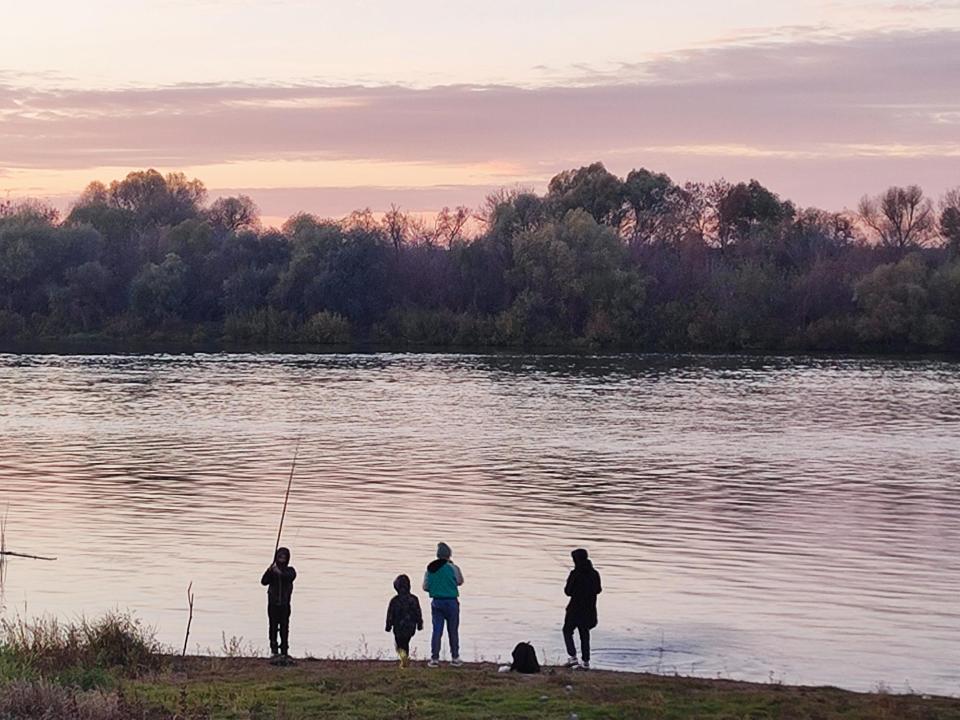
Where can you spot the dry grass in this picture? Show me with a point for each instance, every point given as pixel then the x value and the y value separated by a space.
pixel 45 647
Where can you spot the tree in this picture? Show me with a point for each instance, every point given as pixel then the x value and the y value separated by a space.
pixel 652 203
pixel 396 225
pixel 156 200
pixel 158 292
pixel 901 217
pixel 29 210
pixel 950 221
pixel 572 281
pixel 361 220
pixel 508 212
pixel 592 189
pixel 83 301
pixel 745 210
pixel 230 214
pixel 449 225
pixel 894 303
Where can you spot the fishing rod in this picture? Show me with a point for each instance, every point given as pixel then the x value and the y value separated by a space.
pixel 286 498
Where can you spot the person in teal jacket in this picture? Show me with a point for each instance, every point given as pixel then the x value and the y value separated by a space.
pixel 442 581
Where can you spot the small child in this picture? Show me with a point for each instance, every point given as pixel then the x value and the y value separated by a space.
pixel 403 617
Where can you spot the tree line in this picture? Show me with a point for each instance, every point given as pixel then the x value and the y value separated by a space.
pixel 596 262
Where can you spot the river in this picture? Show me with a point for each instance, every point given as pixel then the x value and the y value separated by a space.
pixel 759 518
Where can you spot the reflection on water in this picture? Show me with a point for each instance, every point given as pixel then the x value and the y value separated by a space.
pixel 750 516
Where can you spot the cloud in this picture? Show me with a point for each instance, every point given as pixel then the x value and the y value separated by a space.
pixel 924 6
pixel 829 107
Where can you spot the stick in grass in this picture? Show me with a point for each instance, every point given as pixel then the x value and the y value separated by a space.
pixel 3 543
pixel 10 553
pixel 189 618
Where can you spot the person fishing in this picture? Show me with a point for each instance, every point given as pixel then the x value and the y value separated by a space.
pixel 442 581
pixel 583 586
pixel 279 579
pixel 404 617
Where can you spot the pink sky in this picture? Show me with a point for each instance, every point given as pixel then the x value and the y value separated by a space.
pixel 861 97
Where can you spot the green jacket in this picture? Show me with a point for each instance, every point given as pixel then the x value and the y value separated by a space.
pixel 442 579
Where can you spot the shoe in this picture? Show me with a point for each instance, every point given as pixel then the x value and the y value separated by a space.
pixel 404 658
pixel 456 662
pixel 274 656
pixel 585 665
pixel 571 662
pixel 433 662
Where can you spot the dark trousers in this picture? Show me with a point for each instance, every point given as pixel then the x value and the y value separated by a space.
pixel 402 639
pixel 279 616
pixel 569 625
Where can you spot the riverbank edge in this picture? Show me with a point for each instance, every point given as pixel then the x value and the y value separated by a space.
pixel 76 346
pixel 219 687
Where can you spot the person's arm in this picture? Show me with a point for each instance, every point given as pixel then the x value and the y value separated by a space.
pixel 390 614
pixel 426 581
pixel 599 587
pixel 568 588
pixel 289 574
pixel 265 580
pixel 457 575
pixel 416 601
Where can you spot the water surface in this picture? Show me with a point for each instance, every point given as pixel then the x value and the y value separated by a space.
pixel 754 518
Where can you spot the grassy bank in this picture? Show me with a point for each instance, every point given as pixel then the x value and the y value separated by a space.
pixel 241 688
pixel 112 669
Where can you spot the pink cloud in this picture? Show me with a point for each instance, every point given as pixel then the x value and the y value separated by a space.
pixel 796 114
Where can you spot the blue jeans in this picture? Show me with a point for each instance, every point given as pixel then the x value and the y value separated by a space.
pixel 445 610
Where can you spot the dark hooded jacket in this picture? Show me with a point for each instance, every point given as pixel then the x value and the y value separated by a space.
pixel 403 613
pixel 583 586
pixel 279 585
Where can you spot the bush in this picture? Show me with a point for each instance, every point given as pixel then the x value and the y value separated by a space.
pixel 266 325
pixel 327 328
pixel 79 653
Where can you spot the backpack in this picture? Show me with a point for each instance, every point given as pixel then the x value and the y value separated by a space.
pixel 525 659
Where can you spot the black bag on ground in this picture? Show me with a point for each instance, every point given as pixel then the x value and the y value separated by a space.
pixel 525 659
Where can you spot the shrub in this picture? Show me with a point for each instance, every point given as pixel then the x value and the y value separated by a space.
pixel 327 328
pixel 81 652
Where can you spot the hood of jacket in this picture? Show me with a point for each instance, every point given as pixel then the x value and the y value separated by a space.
pixel 581 560
pixel 437 564
pixel 402 585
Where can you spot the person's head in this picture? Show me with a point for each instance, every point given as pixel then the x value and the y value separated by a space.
pixel 443 551
pixel 402 584
pixel 282 557
pixel 580 558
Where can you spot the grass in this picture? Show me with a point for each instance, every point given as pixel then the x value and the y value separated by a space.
pixel 113 669
pixel 368 690
pixel 86 653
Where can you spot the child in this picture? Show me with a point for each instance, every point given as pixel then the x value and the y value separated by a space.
pixel 583 586
pixel 403 617
pixel 279 579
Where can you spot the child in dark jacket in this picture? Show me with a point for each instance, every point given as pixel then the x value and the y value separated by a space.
pixel 278 579
pixel 583 586
pixel 403 617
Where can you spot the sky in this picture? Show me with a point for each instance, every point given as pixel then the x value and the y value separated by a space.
pixel 332 106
